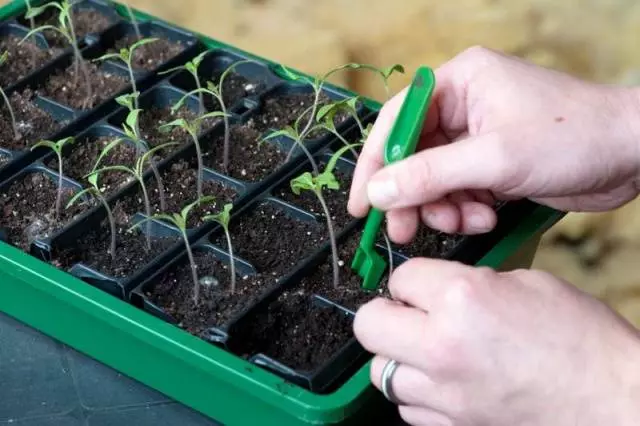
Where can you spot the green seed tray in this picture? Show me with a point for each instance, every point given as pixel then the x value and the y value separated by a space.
pixel 198 374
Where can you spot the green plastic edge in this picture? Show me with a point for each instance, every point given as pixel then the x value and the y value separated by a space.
pixel 170 360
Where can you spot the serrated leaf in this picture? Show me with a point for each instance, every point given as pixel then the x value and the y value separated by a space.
pixel 327 179
pixel 304 182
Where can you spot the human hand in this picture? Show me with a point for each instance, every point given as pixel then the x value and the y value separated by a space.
pixel 501 128
pixel 478 347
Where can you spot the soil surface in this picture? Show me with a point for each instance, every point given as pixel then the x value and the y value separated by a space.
pixel 280 110
pixel 93 250
pixel 429 243
pixel 174 293
pixel 336 200
pixel 179 182
pixel 22 59
pixel 349 293
pixel 248 159
pixel 85 21
pixel 70 89
pixel 28 209
pixel 296 332
pixel 272 241
pixel 151 55
pixel 235 87
pixel 32 122
pixel 83 154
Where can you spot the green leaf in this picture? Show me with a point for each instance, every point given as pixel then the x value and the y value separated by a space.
pixel 352 102
pixel 4 57
pixel 139 43
pixel 128 100
pixel 93 180
pixel 328 180
pixel 105 151
pixel 45 28
pixel 34 12
pixel 147 219
pixel 223 217
pixel 304 182
pixel 143 159
pixel 132 119
pixel 386 72
pixel 47 144
pixel 107 57
pixel 213 114
pixel 112 169
pixel 180 102
pixel 288 74
pixel 336 156
pixel 76 197
pixel 204 200
pixel 212 87
pixel 179 122
pixel 198 59
pixel 288 131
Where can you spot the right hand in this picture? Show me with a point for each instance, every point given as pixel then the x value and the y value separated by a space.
pixel 501 128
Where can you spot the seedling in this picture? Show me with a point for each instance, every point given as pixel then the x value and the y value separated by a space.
pixel 65 28
pixel 216 90
pixel 193 127
pixel 294 133
pixel 192 66
pixel 180 221
pixel 32 26
pixel 14 123
pixel 318 83
pixel 315 184
pixel 326 119
pixel 137 172
pixel 131 128
pixel 126 56
pixel 223 219
pixel 57 148
pixel 95 192
pixel 134 21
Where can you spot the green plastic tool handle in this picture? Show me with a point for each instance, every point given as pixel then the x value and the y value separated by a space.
pixel 405 134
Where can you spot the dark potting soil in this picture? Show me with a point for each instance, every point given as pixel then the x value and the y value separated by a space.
pixel 85 21
pixel 70 89
pixel 93 250
pixel 279 111
pixel 248 159
pixel 152 118
pixel 234 88
pixel 33 123
pixel 28 209
pixel 296 332
pixel 83 154
pixel 272 241
pixel 349 293
pixel 179 182
pixel 336 200
pixel 174 293
pixel 151 55
pixel 22 59
pixel 429 243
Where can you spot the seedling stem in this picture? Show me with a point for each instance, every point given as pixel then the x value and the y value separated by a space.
pixel 57 148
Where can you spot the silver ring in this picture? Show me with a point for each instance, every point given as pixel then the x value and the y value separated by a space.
pixel 387 375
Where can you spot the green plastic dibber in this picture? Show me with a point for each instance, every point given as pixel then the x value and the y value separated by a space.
pixel 401 143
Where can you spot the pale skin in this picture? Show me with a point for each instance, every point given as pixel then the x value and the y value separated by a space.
pixel 483 348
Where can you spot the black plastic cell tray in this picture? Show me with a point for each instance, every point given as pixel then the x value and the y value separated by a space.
pixel 163 90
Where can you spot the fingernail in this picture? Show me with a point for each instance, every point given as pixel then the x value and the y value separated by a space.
pixel 382 192
pixel 478 223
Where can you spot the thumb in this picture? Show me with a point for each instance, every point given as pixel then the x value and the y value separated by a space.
pixel 478 162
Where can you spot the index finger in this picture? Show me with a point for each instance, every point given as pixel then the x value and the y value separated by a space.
pixel 371 159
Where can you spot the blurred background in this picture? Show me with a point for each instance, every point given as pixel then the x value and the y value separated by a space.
pixel 592 39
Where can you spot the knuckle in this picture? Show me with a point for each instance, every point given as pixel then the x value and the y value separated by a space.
pixel 478 52
pixel 468 287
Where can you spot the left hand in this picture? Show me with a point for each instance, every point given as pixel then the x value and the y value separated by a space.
pixel 478 347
